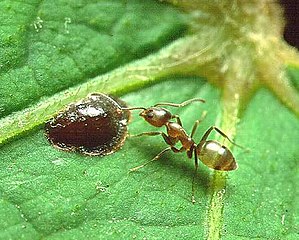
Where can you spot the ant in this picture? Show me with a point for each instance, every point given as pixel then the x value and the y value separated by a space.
pixel 210 152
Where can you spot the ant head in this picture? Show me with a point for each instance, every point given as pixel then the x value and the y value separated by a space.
pixel 156 116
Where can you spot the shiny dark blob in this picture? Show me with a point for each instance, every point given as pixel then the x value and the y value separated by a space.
pixel 96 125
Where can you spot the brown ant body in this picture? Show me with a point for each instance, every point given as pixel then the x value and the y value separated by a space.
pixel 210 152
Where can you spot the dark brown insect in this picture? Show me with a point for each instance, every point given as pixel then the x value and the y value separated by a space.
pixel 96 125
pixel 210 152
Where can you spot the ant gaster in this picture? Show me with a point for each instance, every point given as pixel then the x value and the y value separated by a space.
pixel 210 152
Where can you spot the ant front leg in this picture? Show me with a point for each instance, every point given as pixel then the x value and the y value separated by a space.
pixel 154 159
pixel 170 141
pixel 167 139
pixel 174 149
pixel 147 134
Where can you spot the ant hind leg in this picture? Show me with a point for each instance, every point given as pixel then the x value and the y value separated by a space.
pixel 207 133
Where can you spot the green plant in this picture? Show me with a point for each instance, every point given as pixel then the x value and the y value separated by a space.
pixel 230 53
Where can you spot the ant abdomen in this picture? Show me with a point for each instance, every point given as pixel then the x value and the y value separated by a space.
pixel 216 156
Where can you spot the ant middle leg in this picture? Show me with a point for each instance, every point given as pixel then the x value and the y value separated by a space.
pixel 177 150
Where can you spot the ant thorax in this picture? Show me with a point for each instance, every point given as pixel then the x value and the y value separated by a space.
pixel 176 131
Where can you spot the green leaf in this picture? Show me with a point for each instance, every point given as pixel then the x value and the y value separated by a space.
pixel 56 190
pixel 47 47
pixel 53 54
pixel 263 192
pixel 59 195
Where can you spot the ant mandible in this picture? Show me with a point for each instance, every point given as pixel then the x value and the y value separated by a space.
pixel 210 152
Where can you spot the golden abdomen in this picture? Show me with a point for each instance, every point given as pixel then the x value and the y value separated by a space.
pixel 216 156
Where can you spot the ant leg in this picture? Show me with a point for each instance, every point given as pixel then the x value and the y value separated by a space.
pixel 176 150
pixel 154 159
pixel 167 139
pixel 207 133
pixel 180 104
pixel 197 122
pixel 147 133
pixel 194 176
pixel 177 119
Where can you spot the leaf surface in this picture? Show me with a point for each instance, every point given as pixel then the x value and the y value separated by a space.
pixel 78 48
pixel 50 46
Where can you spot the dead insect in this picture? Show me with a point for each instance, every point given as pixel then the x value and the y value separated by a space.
pixel 96 125
pixel 212 153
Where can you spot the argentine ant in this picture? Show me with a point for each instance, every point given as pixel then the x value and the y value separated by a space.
pixel 211 153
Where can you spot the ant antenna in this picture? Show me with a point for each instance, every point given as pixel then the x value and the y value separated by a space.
pixel 180 104
pixel 133 108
